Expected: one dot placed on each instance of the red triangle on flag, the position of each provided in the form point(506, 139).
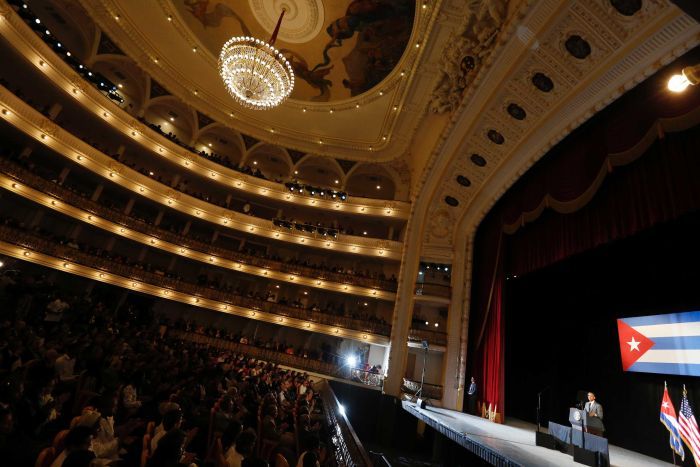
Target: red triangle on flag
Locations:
point(633, 344)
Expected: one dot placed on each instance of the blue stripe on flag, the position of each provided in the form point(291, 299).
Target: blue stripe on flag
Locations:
point(672, 343)
point(666, 368)
point(669, 318)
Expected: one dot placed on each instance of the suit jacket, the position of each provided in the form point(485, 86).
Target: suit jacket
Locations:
point(594, 408)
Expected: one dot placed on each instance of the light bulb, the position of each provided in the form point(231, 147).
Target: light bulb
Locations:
point(678, 83)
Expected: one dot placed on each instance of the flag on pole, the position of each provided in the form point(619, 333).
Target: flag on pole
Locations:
point(668, 418)
point(689, 428)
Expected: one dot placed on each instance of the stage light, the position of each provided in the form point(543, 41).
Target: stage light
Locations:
point(341, 409)
point(689, 76)
point(427, 323)
point(436, 324)
point(351, 361)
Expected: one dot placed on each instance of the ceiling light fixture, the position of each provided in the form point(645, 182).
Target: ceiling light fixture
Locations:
point(254, 72)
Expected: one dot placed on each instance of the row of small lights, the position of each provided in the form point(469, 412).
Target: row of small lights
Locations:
point(120, 280)
point(439, 268)
point(212, 259)
point(198, 212)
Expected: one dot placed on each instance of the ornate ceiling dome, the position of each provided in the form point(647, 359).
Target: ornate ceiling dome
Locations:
point(338, 48)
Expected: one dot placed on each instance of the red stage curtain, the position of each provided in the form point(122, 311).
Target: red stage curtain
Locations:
point(633, 165)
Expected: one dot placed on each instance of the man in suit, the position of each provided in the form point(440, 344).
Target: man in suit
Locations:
point(593, 408)
point(471, 401)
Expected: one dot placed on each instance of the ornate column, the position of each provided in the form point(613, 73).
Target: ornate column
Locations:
point(403, 307)
point(453, 378)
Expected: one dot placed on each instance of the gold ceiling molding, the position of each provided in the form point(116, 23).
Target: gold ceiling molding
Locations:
point(26, 118)
point(291, 130)
point(24, 190)
point(622, 55)
point(28, 44)
point(460, 61)
point(59, 264)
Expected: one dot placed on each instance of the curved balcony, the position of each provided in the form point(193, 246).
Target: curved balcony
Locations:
point(30, 247)
point(79, 207)
point(33, 123)
point(39, 51)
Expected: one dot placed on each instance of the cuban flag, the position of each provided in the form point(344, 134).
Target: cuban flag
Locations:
point(668, 344)
point(668, 418)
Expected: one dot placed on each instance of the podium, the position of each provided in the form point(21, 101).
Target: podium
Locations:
point(586, 438)
point(581, 421)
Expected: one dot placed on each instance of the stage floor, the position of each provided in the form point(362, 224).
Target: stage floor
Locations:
point(514, 440)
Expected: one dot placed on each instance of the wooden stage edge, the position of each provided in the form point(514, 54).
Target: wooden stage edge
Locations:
point(511, 444)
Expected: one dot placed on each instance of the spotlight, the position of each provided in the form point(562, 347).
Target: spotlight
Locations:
point(341, 409)
point(351, 360)
point(689, 76)
point(1, 264)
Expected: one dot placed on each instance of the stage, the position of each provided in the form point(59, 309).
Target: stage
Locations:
point(510, 444)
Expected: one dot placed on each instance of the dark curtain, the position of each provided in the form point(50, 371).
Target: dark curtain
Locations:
point(632, 166)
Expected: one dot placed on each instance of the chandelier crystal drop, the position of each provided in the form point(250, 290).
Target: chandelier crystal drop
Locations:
point(255, 73)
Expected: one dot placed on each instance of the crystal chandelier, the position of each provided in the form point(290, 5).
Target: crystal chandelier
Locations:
point(254, 72)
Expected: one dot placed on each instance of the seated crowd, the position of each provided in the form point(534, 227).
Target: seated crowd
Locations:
point(103, 386)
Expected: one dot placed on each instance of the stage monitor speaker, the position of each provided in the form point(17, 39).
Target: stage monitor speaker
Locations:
point(421, 403)
point(545, 440)
point(586, 457)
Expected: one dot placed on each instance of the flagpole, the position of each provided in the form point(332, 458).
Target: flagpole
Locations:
point(673, 453)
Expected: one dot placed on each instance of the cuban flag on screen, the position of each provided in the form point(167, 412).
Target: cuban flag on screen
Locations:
point(668, 344)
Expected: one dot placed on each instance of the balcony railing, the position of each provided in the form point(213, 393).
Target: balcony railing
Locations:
point(430, 391)
point(435, 290)
point(367, 377)
point(159, 279)
point(433, 337)
point(347, 447)
point(19, 173)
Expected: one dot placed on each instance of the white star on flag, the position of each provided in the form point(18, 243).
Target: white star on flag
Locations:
point(664, 405)
point(634, 345)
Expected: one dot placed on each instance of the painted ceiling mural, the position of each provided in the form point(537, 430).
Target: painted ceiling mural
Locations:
point(338, 48)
